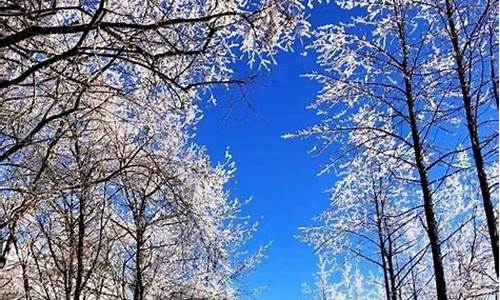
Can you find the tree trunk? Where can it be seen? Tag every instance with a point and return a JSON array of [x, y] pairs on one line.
[[413, 281], [432, 230], [382, 251], [138, 284], [474, 138], [390, 264], [493, 76], [79, 249]]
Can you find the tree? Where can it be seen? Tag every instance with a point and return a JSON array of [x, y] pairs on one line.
[[371, 207], [60, 58], [353, 285], [103, 195], [469, 42], [380, 84]]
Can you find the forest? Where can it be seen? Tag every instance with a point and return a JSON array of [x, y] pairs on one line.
[[109, 189]]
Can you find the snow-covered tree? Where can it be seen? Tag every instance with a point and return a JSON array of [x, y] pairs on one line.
[[103, 193], [391, 110], [469, 46], [371, 205], [351, 285]]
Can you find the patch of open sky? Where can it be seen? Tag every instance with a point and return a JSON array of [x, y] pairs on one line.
[[279, 175]]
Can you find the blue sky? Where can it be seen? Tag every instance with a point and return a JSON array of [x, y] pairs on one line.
[[278, 174]]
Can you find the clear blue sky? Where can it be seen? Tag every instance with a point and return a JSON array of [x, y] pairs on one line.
[[278, 174]]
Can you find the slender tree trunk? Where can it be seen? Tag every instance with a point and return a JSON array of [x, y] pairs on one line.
[[386, 276], [68, 270], [387, 264], [413, 281], [390, 264], [81, 220], [22, 263], [473, 134], [79, 249], [382, 251], [26, 284], [432, 230], [138, 285], [493, 76], [140, 227]]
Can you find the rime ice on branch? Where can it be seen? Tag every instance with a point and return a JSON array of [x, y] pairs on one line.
[[405, 102], [103, 195]]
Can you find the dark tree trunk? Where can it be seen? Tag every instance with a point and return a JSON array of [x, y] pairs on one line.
[[385, 254], [138, 285], [390, 265], [493, 76], [432, 230], [81, 221], [140, 227], [79, 249], [382, 250], [413, 281], [473, 134]]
